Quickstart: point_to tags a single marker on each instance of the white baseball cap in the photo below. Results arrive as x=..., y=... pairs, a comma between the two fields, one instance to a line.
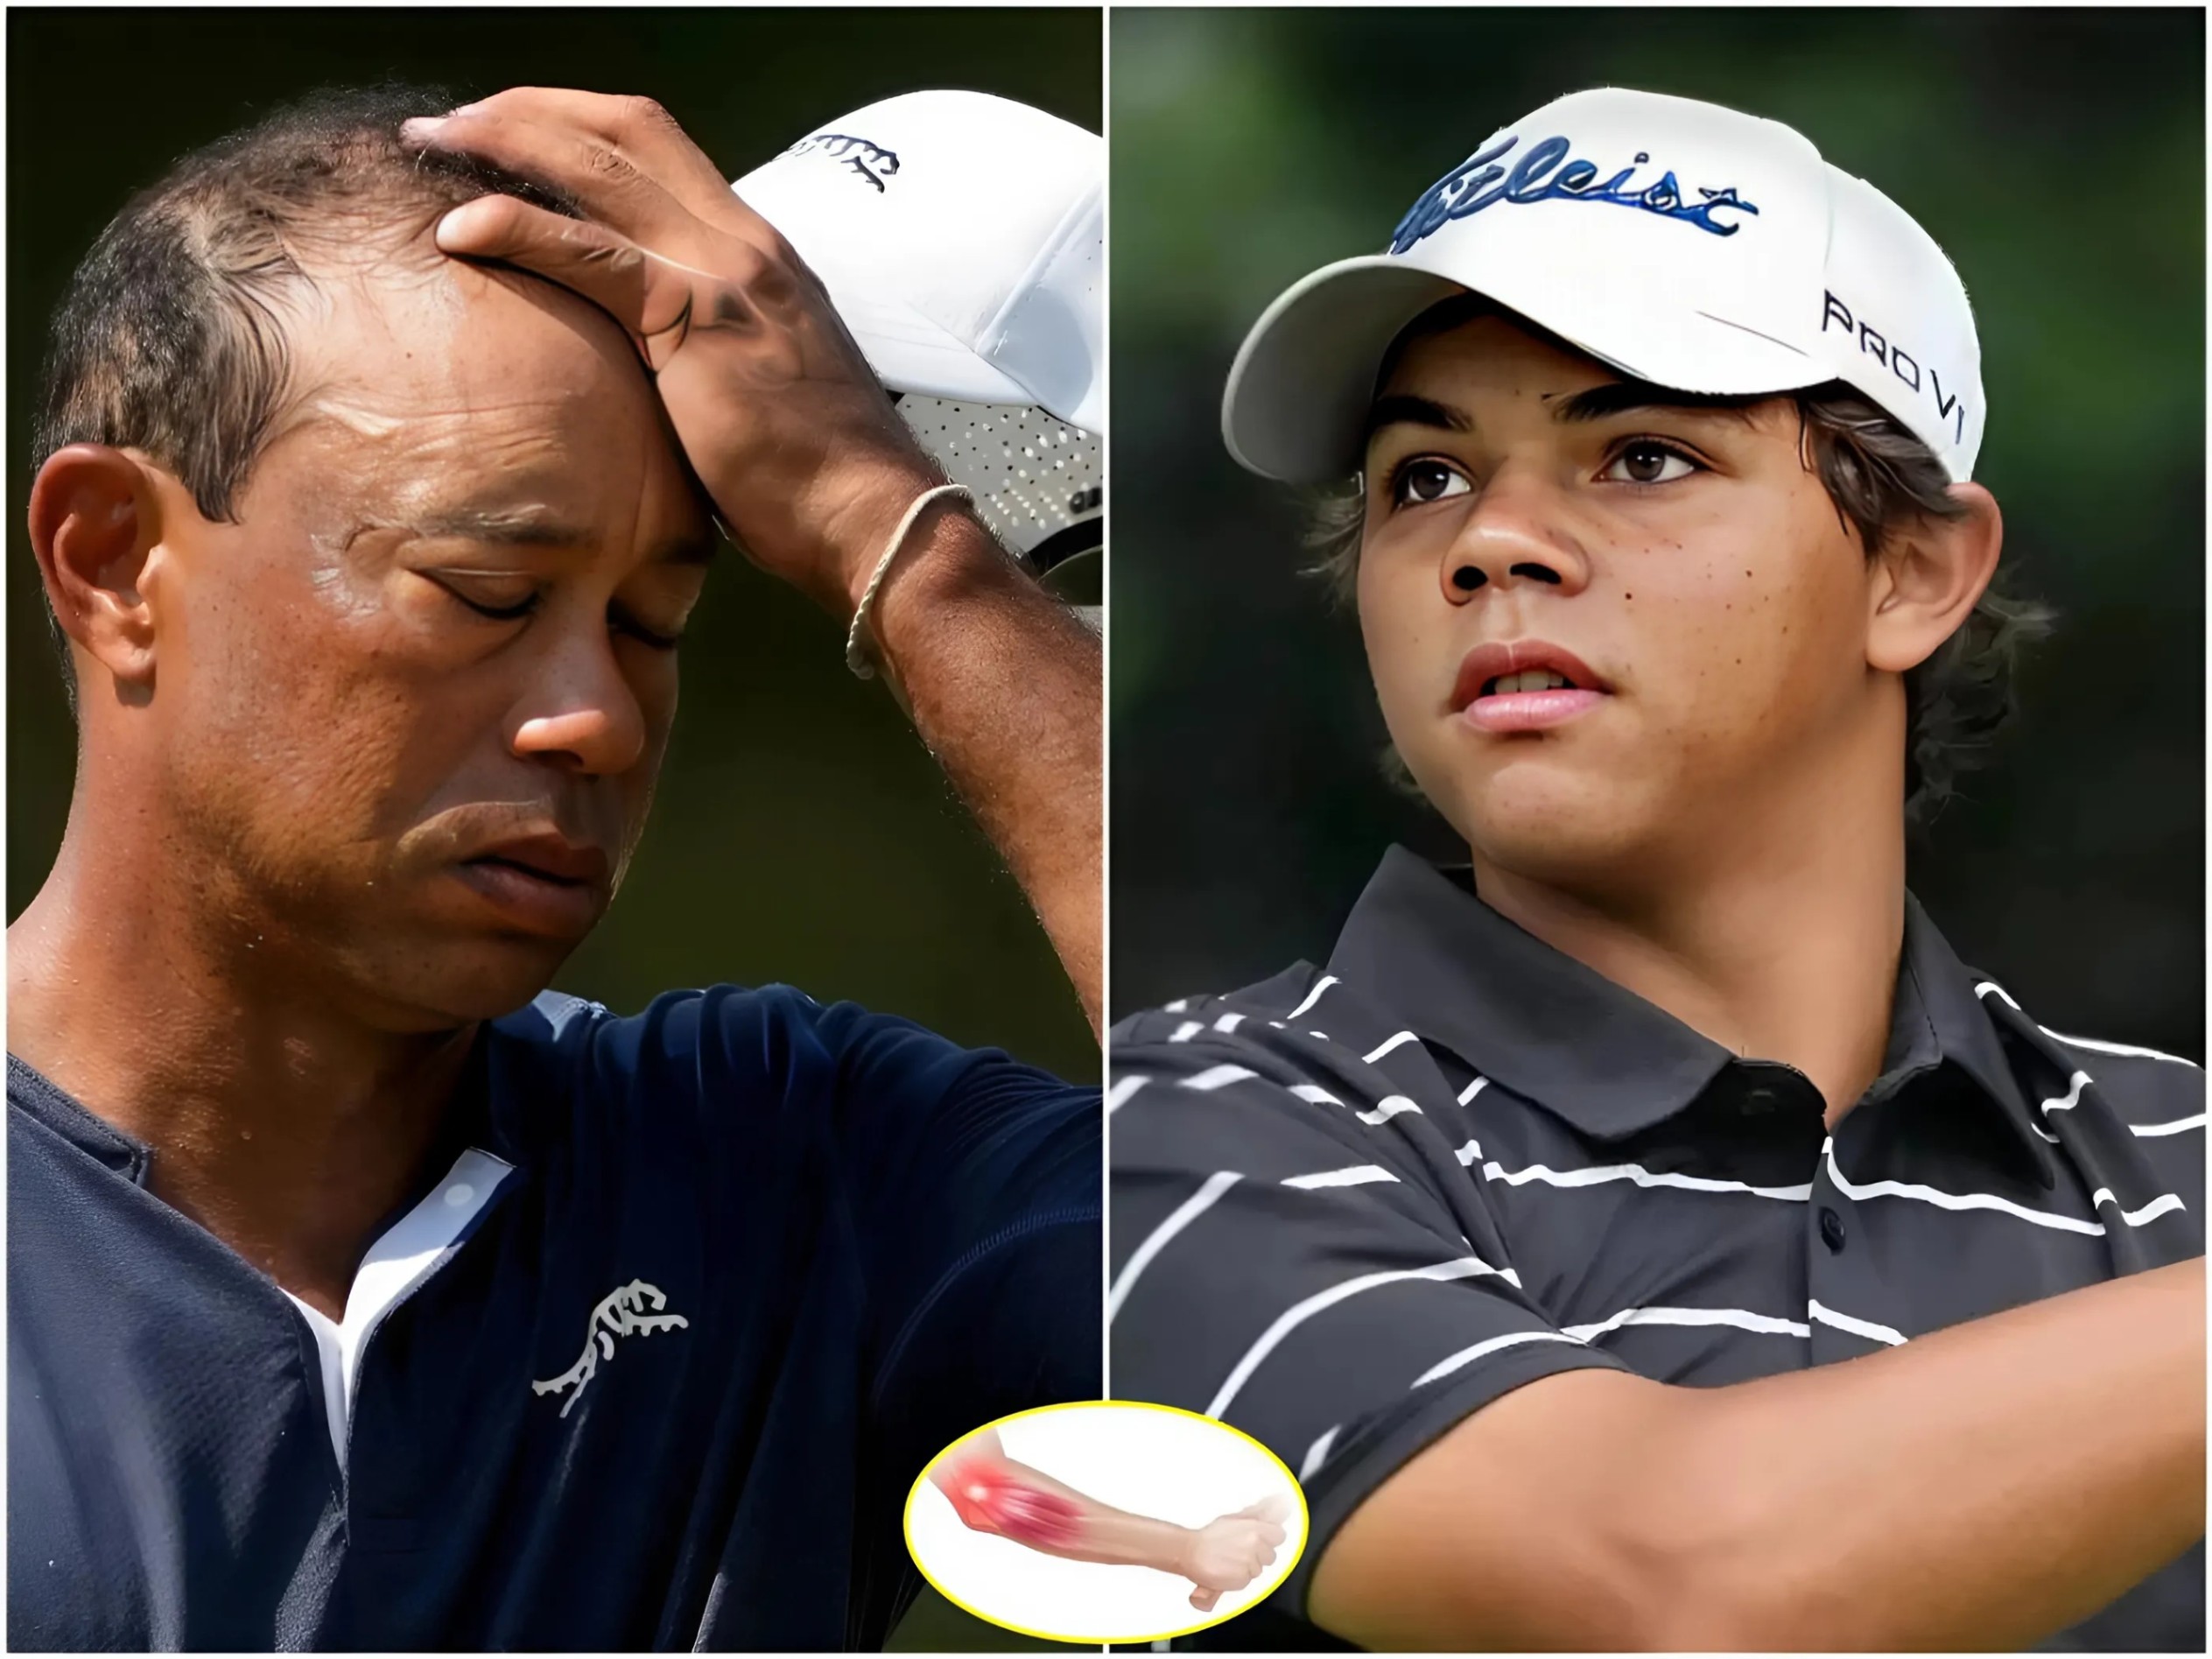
x=1681, y=244
x=960, y=237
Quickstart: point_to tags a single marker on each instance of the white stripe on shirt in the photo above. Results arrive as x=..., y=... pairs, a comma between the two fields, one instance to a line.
x=1857, y=1328
x=1988, y=986
x=1450, y=1363
x=1123, y=1088
x=1742, y=1319
x=1217, y=1076
x=1183, y=1214
x=1641, y=1177
x=1317, y=1453
x=2072, y=1098
x=1312, y=996
x=2158, y=1206
x=1398, y=1041
x=1358, y=1175
x=1387, y=1108
x=1465, y=1266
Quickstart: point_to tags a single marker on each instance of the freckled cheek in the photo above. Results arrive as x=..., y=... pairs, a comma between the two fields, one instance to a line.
x=1731, y=653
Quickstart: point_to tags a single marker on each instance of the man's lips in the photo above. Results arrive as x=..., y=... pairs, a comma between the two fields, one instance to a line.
x=551, y=856
x=540, y=883
x=1479, y=698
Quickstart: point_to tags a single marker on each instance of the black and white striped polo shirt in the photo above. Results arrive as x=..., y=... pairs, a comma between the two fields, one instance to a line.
x=1351, y=1206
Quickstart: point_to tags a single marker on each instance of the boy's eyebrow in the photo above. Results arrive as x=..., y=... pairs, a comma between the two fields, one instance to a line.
x=1402, y=409
x=1627, y=396
x=1599, y=403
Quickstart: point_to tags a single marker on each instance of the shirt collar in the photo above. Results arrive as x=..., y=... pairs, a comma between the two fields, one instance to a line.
x=493, y=1062
x=1959, y=1029
x=1424, y=948
x=30, y=1090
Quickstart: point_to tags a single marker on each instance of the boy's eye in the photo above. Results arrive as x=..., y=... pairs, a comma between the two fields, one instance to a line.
x=1418, y=481
x=1646, y=461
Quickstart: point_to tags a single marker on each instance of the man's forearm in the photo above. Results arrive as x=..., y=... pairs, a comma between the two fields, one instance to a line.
x=1982, y=1487
x=1005, y=685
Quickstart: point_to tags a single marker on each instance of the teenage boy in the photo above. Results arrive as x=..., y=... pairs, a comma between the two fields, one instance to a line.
x=1654, y=1235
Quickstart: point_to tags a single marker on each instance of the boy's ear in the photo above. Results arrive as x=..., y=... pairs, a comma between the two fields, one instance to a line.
x=1928, y=579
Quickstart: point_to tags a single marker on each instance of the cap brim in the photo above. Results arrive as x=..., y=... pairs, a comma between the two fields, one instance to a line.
x=911, y=354
x=1297, y=403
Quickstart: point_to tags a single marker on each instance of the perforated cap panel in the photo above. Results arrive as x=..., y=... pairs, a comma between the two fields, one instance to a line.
x=1033, y=475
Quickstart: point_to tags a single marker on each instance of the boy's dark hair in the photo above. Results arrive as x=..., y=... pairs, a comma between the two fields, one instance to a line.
x=170, y=338
x=1881, y=479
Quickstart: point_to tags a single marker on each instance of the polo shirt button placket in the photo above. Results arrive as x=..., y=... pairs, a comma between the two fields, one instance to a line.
x=1837, y=1265
x=1831, y=1230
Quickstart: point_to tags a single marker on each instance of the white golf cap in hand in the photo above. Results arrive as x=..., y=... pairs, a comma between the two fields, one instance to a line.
x=960, y=236
x=1685, y=244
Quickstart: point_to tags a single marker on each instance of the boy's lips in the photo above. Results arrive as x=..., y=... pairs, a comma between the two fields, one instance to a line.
x=1543, y=685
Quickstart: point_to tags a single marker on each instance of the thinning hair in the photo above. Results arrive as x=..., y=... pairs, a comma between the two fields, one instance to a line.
x=171, y=337
x=1883, y=482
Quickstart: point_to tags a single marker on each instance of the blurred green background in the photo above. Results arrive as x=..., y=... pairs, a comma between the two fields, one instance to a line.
x=2057, y=157
x=802, y=834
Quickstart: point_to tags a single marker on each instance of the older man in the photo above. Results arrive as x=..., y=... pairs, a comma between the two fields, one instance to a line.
x=356, y=1297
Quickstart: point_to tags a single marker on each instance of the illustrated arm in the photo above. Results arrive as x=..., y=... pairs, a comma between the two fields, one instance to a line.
x=991, y=1492
x=1985, y=1486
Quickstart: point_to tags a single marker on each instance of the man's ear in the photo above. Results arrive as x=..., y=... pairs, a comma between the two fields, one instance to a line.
x=96, y=524
x=1928, y=580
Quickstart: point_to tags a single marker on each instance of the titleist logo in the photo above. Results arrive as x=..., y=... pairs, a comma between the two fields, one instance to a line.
x=1544, y=173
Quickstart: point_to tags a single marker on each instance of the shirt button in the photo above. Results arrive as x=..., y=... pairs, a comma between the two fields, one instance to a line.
x=459, y=1194
x=1831, y=1228
x=1758, y=1102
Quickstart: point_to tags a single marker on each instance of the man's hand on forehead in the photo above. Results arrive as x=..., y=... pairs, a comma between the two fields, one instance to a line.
x=776, y=407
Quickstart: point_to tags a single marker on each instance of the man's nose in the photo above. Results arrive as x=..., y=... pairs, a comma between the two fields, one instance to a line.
x=583, y=713
x=1517, y=530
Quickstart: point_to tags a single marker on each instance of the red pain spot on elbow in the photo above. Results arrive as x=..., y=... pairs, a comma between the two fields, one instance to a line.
x=992, y=1501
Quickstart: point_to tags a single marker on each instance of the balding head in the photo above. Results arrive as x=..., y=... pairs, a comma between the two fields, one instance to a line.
x=173, y=337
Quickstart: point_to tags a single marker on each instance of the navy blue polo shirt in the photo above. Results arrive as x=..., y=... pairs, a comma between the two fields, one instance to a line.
x=651, y=1361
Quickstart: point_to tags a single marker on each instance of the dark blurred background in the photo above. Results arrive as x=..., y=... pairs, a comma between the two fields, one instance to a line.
x=2057, y=156
x=801, y=831
x=802, y=834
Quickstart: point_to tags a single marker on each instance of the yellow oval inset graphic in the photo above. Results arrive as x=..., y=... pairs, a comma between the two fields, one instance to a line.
x=1105, y=1521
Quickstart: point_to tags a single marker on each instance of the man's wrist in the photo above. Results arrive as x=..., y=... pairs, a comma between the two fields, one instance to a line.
x=858, y=533
x=946, y=559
